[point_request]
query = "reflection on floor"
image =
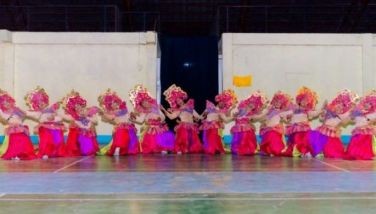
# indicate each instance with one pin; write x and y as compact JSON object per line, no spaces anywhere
{"x":187,"y":184}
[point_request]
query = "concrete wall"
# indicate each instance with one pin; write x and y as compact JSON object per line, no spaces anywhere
{"x":93,"y":62}
{"x":87,"y":62}
{"x":326,"y":63}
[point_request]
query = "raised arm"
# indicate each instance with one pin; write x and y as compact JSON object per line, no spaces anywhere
{"x":171,"y":115}
{"x":314,"y":114}
{"x":225,"y":118}
{"x":287,"y":113}
{"x":261,"y":116}
{"x":318,"y":113}
{"x":137,"y":118}
{"x":345,"y":118}
{"x":66,"y":117}
{"x":33,"y":115}
{"x":108,"y":118}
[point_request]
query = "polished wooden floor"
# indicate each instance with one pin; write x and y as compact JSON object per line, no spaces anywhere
{"x":187,"y":184}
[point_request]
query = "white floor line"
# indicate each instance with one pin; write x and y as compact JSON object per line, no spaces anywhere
{"x":191,"y":199}
{"x":333,"y":166}
{"x":71,"y":164}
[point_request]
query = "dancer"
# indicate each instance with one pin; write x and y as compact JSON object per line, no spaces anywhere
{"x":272,"y":129}
{"x":326,"y":138}
{"x":19,"y":144}
{"x":215,"y":117}
{"x":82,"y":135}
{"x":298,"y":130}
{"x":124,"y":136}
{"x":361,"y":146}
{"x":155,"y":136}
{"x":244,"y":141}
{"x":50,"y":126}
{"x":187,"y":139}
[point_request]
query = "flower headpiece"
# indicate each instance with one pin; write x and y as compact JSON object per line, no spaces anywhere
{"x":346,"y":99}
{"x":37,"y":99}
{"x":227,"y":98}
{"x":71,"y":102}
{"x":257,"y":100}
{"x":172,"y":94}
{"x":6,"y":98}
{"x":310,"y":97}
{"x":367,"y":103}
{"x":282,"y":99}
{"x":108,"y":99}
{"x":138,"y":95}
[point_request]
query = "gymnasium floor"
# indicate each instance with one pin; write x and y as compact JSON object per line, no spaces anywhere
{"x":187,"y":184}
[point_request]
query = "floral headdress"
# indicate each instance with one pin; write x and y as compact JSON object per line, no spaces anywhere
{"x":6,"y":98}
{"x":228,"y":98}
{"x":71,"y":101}
{"x":138,"y":95}
{"x":346,"y":99}
{"x":108,"y":98}
{"x":257,"y":99}
{"x":172,"y":94}
{"x":281,"y":98}
{"x":307,"y":95}
{"x":367,"y":103}
{"x":37,"y":99}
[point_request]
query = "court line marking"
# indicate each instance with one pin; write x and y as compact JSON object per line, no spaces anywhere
{"x":191,"y":199}
{"x":332,"y":165}
{"x":71,"y":164}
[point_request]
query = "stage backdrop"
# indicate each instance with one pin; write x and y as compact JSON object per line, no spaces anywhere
{"x":87,"y":62}
{"x":326,"y":63}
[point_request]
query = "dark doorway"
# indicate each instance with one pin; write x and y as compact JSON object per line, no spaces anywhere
{"x":191,"y":63}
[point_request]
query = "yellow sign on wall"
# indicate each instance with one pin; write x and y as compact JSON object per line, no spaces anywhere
{"x":242,"y":81}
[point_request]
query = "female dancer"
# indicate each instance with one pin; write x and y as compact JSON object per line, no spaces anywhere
{"x":326,"y":138}
{"x":19,"y":144}
{"x":187,"y":139}
{"x":215,"y":117}
{"x":124,"y":136}
{"x":362,"y":145}
{"x":244,"y":140}
{"x":82,"y":135}
{"x":299,"y":129}
{"x":272,"y":130}
{"x":155,"y":136}
{"x":50,"y":128}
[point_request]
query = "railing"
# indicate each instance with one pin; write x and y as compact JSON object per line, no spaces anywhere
{"x":265,"y":18}
{"x":102,"y":18}
{"x":140,"y":21}
{"x":296,"y":18}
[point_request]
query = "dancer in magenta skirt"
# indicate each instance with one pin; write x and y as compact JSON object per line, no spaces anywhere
{"x":326,"y":138}
{"x":155,"y":136}
{"x":362,"y":144}
{"x":124,"y":135}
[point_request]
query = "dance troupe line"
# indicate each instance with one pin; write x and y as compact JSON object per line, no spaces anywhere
{"x":278,"y":118}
